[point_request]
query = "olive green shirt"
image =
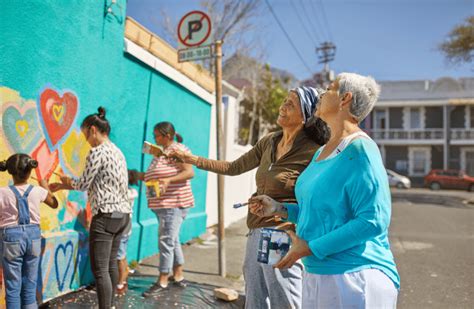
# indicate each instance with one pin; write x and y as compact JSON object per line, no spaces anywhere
{"x":275,"y":178}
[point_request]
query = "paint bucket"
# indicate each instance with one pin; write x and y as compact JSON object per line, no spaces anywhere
{"x":152,"y":188}
{"x":273,"y":246}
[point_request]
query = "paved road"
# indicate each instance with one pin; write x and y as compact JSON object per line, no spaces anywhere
{"x":434,"y":250}
{"x":432,"y":237}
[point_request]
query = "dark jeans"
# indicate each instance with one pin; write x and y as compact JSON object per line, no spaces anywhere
{"x":105,"y":234}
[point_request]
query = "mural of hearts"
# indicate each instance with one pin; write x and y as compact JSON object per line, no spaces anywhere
{"x":45,"y":266}
{"x":73,"y":153}
{"x":58,"y":114}
{"x":20,"y":126}
{"x":63,"y":262}
{"x":47,"y":161}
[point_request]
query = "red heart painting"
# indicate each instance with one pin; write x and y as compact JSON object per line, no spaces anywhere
{"x":47,"y":161}
{"x":57,"y":114}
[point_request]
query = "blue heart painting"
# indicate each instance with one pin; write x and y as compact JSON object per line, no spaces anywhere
{"x":21,"y":128}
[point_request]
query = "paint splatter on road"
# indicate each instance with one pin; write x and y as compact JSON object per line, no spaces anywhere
{"x":195,"y":295}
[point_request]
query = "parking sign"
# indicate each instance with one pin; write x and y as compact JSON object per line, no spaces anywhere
{"x":194,"y":30}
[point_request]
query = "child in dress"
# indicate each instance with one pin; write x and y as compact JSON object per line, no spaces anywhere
{"x":20,"y":234}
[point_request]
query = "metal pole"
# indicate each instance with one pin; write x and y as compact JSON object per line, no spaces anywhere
{"x":447,"y":133}
{"x":220,"y":178}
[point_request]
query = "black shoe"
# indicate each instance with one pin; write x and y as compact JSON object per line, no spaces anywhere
{"x":155,"y":288}
{"x":181,"y":284}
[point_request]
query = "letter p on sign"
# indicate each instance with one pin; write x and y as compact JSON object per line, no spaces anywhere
{"x":194,"y":29}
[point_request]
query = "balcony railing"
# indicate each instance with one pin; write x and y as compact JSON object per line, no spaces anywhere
{"x":420,"y":134}
{"x":400,"y":134}
{"x":462,"y":134}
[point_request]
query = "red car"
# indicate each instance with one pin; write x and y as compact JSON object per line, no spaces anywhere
{"x":449,"y":179}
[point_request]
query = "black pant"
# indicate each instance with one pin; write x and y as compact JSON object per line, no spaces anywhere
{"x":105,"y":233}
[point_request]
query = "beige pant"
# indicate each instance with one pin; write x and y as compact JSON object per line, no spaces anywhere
{"x":268,"y":287}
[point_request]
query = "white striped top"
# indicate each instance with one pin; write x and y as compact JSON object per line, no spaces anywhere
{"x":178,"y":194}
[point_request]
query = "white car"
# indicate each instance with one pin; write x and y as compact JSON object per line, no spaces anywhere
{"x":397,"y":180}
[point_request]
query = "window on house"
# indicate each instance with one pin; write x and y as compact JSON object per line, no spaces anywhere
{"x":419,"y":162}
{"x":380,"y":119}
{"x":415,"y":118}
{"x":468,"y":162}
{"x":401,"y":165}
{"x":471,"y":113}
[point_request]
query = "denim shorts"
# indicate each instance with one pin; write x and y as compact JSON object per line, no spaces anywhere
{"x":122,"y":251}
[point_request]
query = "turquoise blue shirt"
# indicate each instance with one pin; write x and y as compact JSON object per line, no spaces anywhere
{"x":343,"y":212}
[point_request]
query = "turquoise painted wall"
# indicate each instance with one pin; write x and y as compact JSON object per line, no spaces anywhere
{"x":70,"y":45}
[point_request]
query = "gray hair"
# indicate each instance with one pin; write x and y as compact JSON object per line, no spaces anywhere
{"x":365,"y":92}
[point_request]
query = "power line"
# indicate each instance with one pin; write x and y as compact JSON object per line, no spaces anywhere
{"x":316,"y":28}
{"x":326,"y":20}
{"x":320,"y":25}
{"x":304,"y":26}
{"x":288,"y":37}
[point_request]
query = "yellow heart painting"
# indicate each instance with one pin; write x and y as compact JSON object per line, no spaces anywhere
{"x":22,"y":127}
{"x":74,"y":151}
{"x":58,"y":112}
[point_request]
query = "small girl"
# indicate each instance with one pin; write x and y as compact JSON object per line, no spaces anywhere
{"x":20,"y":234}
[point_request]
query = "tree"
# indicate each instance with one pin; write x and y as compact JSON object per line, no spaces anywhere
{"x":231,"y":20}
{"x":459,"y":45}
{"x":272,"y":92}
{"x":261,"y":106}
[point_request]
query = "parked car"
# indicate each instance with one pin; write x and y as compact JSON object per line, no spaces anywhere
{"x":449,"y":179}
{"x":397,"y":180}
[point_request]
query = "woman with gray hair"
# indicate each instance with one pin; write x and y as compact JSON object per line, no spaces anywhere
{"x":279,"y":157}
{"x":343,"y":209}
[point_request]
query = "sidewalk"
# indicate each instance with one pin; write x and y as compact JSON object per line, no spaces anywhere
{"x":201,"y":269}
{"x":201,"y":258}
{"x":447,"y":198}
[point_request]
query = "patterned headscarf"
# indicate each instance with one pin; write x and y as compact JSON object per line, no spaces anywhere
{"x":309,"y":97}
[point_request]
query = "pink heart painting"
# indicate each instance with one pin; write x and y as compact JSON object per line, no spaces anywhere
{"x":58,"y":114}
{"x":47,"y":161}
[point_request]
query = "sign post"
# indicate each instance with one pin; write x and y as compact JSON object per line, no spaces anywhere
{"x":220,"y":177}
{"x":194,"y":31}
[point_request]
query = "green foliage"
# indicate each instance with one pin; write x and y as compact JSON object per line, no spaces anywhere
{"x":268,"y":96}
{"x":271,"y":95}
{"x":459,"y":45}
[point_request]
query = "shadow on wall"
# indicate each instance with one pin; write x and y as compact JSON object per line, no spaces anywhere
{"x":46,"y":128}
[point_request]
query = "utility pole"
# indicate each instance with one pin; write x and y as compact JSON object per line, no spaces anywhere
{"x":326,"y":53}
{"x":220,"y":177}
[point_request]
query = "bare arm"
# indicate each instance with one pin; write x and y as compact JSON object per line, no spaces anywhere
{"x":50,"y":200}
{"x":185,"y":174}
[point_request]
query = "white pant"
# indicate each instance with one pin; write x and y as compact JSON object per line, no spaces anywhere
{"x":368,"y":288}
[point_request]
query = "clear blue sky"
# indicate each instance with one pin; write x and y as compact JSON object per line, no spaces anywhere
{"x":388,"y":39}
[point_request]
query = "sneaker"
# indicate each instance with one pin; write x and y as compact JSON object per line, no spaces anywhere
{"x":155,"y":288}
{"x":181,"y":284}
{"x":122,"y":291}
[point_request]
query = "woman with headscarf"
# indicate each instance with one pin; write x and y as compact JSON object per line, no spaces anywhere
{"x":279,"y":157}
{"x":343,"y":209}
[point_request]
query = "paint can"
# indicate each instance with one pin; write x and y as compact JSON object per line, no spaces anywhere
{"x":273,"y":246}
{"x":152,"y":189}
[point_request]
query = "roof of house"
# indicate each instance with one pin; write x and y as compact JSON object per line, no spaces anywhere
{"x":442,"y":88}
